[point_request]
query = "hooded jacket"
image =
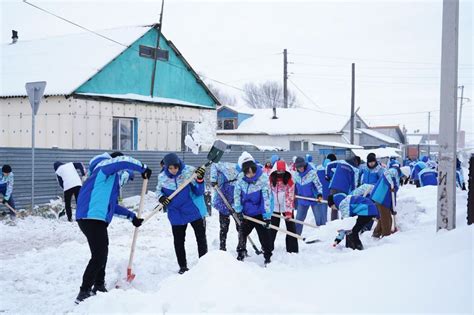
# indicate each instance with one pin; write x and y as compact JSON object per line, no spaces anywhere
{"x":225,"y":175}
{"x":382,"y":193}
{"x":307,"y":184}
{"x":344,"y":176}
{"x":321,"y":172}
{"x":419,"y":166}
{"x":67,"y":174}
{"x":370,"y":175}
{"x":355,"y":206}
{"x":428,"y":177}
{"x":188,"y":205}
{"x":252,"y":195}
{"x":282,"y":196}
{"x":98,"y":199}
{"x":7,"y":181}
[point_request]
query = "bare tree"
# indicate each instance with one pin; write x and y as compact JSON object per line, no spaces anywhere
{"x":223,"y":97}
{"x":267,"y":95}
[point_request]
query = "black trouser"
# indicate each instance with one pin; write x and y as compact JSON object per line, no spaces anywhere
{"x":98,"y":239}
{"x":68,"y":198}
{"x":224,"y":221}
{"x":417,"y":183}
{"x":246,"y":228}
{"x":179,"y":236}
{"x":353,"y":239}
{"x":291,"y":242}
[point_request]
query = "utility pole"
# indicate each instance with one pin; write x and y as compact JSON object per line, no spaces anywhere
{"x":285,"y":78}
{"x":460,"y":108}
{"x":446,"y":218}
{"x":352,"y":103}
{"x":153,"y":75}
{"x":429,"y":133}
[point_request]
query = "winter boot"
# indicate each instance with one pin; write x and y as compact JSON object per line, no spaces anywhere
{"x":241,"y":256}
{"x":62,"y":213}
{"x":99,"y":287}
{"x":350,"y":240}
{"x":83,"y":294}
{"x":267,"y":261}
{"x":183,"y":270}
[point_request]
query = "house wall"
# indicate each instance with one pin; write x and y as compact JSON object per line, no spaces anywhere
{"x":370,"y":142}
{"x":87,"y":124}
{"x":391,"y":132}
{"x":282,"y":141}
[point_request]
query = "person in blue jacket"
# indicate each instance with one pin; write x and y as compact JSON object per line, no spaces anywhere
{"x":6,"y":188}
{"x":252,"y":198}
{"x":371,"y":171}
{"x":309,"y":160}
{"x":420,"y":165}
{"x":187,"y":206}
{"x":224,"y":176}
{"x":96,"y":205}
{"x":351,"y":206}
{"x":382,"y":196}
{"x":307,"y":184}
{"x":459,"y":175}
{"x":344,"y":178}
{"x":428,"y":177}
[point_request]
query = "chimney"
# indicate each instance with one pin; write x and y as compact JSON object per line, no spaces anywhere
{"x":274,"y":113}
{"x":14,"y":36}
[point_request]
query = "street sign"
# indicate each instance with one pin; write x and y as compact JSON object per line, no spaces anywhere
{"x":35,"y":91}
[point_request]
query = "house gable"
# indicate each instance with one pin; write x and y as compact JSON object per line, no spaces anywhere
{"x":129,"y":73}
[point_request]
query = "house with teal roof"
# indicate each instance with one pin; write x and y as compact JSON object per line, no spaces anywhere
{"x":117,"y":91}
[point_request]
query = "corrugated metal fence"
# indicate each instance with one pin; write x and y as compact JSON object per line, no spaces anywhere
{"x":47,"y":188}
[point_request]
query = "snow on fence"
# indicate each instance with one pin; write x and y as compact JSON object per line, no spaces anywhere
{"x":47,"y":188}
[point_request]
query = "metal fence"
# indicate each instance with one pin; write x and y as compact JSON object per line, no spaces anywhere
{"x":47,"y":188}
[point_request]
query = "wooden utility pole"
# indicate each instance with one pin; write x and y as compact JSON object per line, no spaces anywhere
{"x":153,"y":75}
{"x":446,"y":218}
{"x":285,"y":78}
{"x":429,"y":133}
{"x":352,"y":103}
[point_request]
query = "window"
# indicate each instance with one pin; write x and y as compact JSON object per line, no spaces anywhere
{"x":358,"y":124}
{"x":295,"y":145}
{"x":186,"y":129}
{"x":152,"y":53}
{"x":123,"y":133}
{"x":305,"y":146}
{"x":229,"y":124}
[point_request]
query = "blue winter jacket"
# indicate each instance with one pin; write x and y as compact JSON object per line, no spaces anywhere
{"x":420,"y":165}
{"x":98,"y":199}
{"x":7,"y":181}
{"x":321,"y":172}
{"x":188,"y":205}
{"x":307,"y":184}
{"x":351,"y":206}
{"x":225,"y":175}
{"x":252,"y":195}
{"x":381,"y":193}
{"x":344,"y":178}
{"x":371,"y":175}
{"x":428,"y":177}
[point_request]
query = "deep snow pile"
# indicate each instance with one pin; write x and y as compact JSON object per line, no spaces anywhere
{"x":415,"y":270}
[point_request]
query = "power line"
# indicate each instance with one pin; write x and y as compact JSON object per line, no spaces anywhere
{"x":304,"y":94}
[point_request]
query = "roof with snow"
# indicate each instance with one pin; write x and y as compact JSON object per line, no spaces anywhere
{"x":379,"y":152}
{"x":239,"y":109}
{"x":414,"y":139}
{"x":290,"y":121}
{"x":337,"y":145}
{"x":379,"y":135}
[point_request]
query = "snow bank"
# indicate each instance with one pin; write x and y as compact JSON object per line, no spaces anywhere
{"x":414,"y":270}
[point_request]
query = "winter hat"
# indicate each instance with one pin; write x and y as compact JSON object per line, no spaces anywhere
{"x":405,"y":171}
{"x":309,"y":158}
{"x":115,"y":154}
{"x":300,"y":162}
{"x":171,"y":159}
{"x":336,"y":199}
{"x":274,"y":159}
{"x":6,"y":168}
{"x":281,"y":166}
{"x":245,"y":157}
{"x":424,"y":158}
{"x":331,"y":157}
{"x":57,"y":164}
{"x":371,"y":157}
{"x":357,"y":160}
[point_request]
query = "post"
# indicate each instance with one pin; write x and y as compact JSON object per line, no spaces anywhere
{"x":460,"y":108}
{"x":429,"y":133}
{"x":446,"y":218}
{"x":153,"y":75}
{"x":33,"y":115}
{"x":352,"y":103}
{"x":285,"y":78}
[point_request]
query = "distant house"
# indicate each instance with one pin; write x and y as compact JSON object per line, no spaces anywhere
{"x":99,"y":93}
{"x":419,"y":144}
{"x":393,"y":131}
{"x":230,"y":117}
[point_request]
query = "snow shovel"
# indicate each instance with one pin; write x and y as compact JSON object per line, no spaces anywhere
{"x":311,"y":199}
{"x":234,"y":215}
{"x":394,"y":226}
{"x":130,"y":274}
{"x":294,"y":220}
{"x":304,"y":239}
{"x":214,"y":156}
{"x":11,"y":208}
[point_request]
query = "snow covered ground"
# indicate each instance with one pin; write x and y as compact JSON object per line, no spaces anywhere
{"x":414,"y":270}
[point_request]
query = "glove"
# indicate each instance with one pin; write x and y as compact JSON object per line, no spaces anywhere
{"x":267,"y":223}
{"x":4,"y":201}
{"x":146,"y":174}
{"x":164,"y":200}
{"x":213,"y":184}
{"x":288,"y":215}
{"x":327,"y":178}
{"x":393,"y":212}
{"x":137,"y":222}
{"x":200,"y":171}
{"x":240,"y":216}
{"x":392,"y":189}
{"x":319,"y":197}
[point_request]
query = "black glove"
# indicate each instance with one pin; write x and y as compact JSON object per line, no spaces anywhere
{"x":319,"y":196}
{"x":213,"y":184}
{"x":164,"y":200}
{"x":4,"y":201}
{"x":137,"y":222}
{"x":240,"y":216}
{"x":146,"y":174}
{"x":267,"y":223}
{"x":200,"y":171}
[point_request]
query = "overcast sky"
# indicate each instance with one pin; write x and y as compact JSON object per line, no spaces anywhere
{"x":396,"y":46}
